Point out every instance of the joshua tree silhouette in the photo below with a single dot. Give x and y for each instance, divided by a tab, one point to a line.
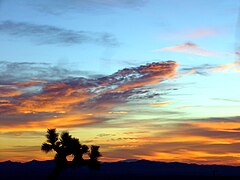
66	145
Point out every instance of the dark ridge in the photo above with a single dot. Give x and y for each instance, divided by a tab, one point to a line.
127	169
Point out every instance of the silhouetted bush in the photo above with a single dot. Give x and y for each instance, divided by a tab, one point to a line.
66	145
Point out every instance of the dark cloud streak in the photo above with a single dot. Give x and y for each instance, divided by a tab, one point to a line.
84	6
46	34
27	71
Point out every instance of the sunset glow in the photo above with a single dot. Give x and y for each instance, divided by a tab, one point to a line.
156	80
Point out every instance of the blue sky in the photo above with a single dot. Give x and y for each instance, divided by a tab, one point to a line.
138	29
66	60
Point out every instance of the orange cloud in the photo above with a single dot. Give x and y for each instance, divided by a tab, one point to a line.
189	156
161	104
51	102
184	142
9	91
63	96
150	74
4	102
60	121
42	99
181	148
218	126
28	83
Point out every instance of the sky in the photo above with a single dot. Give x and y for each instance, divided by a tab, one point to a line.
144	79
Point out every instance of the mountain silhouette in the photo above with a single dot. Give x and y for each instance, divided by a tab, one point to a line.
133	169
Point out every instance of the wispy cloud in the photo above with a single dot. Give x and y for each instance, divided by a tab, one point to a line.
111	3
190	34
199	33
205	69
161	104
46	34
227	100
84	6
189	48
235	66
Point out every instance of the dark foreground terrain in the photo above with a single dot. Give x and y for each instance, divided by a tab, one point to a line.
142	169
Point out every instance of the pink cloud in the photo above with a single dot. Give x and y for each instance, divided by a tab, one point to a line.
198	33
189	48
191	34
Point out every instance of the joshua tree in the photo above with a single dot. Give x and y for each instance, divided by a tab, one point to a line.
54	144
66	145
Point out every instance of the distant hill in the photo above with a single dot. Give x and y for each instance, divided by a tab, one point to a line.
132	169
